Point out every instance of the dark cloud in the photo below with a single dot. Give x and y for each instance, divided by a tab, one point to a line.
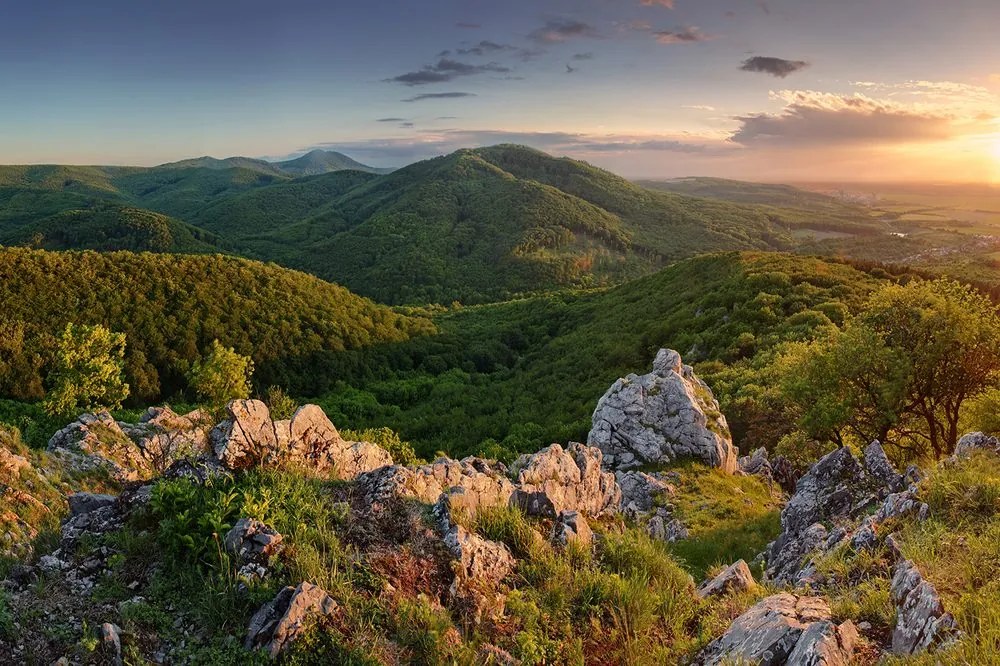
468	26
486	47
390	120
778	67
446	69
570	69
685	35
669	4
444	95
811	119
407	124
583	56
557	31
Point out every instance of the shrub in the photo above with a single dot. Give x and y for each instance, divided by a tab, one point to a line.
88	371
221	376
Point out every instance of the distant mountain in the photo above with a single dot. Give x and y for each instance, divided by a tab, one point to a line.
313	163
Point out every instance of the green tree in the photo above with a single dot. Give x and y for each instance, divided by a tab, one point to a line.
88	371
221	376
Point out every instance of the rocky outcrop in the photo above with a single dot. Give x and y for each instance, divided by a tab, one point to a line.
281	621
837	490
571	527
660	417
131	451
784	630
734	579
779	470
921	621
248	437
555	480
976	441
480	560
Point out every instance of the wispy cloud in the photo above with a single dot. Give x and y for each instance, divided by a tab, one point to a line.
557	31
390	120
685	35
441	95
444	70
699	107
778	67
669	4
485	47
583	56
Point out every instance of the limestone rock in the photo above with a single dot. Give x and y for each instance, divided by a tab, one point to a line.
641	492
784	630
483	484
253	544
665	528
555	480
571	527
247	438
86	502
97	441
921	621
481	562
660	417
976	441
111	643
278	623
735	578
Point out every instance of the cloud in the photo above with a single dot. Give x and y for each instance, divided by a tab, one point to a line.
442	95
814	118
557	31
669	4
699	107
406	124
446	69
778	67
390	120
686	35
486	47
764	6
468	26
583	56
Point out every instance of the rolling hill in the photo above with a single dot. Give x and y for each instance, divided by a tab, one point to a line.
171	308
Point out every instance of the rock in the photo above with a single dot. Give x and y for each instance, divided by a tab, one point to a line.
661	526
11	465
111	643
484	484
903	504
554	480
784	630
976	441
80	503
571	527
641	492
96	441
756	464
247	438
836	490
921	621
481	562
253	544
865	537
165	437
660	417
199	470
100	520
736	578
278	623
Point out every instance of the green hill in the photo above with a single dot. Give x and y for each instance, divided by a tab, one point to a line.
108	227
529	372
171	307
481	225
313	163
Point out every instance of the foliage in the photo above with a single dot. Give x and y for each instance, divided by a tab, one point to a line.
170	307
88	371
280	405
402	452
223	375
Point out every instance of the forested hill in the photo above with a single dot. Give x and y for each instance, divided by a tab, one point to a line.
171	308
481	225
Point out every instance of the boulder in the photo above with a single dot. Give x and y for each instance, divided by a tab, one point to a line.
784	630
571	527
80	503
921	621
481	562
641	492
665	528
111	643
660	417
555	480
976	441
97	441
735	578
247	437
278	623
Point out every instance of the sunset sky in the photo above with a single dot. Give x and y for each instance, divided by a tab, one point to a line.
754	89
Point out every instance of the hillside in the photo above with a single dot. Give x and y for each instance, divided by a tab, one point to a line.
171	308
482	225
108	227
527	372
313	163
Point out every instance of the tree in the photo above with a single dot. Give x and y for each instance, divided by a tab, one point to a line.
223	375
88	371
902	369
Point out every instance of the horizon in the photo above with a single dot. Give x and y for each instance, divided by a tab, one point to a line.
755	90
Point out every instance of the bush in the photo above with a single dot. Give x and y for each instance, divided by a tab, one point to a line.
88	372
223	375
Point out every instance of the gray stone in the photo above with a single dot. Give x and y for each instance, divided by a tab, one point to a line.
735	578
976	441
252	542
278	623
660	417
86	502
481	562
555	480
571	527
111	643
247	438
921	621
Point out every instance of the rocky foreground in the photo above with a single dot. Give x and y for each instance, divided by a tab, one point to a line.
427	530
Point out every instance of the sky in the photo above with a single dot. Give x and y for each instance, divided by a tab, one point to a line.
777	90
